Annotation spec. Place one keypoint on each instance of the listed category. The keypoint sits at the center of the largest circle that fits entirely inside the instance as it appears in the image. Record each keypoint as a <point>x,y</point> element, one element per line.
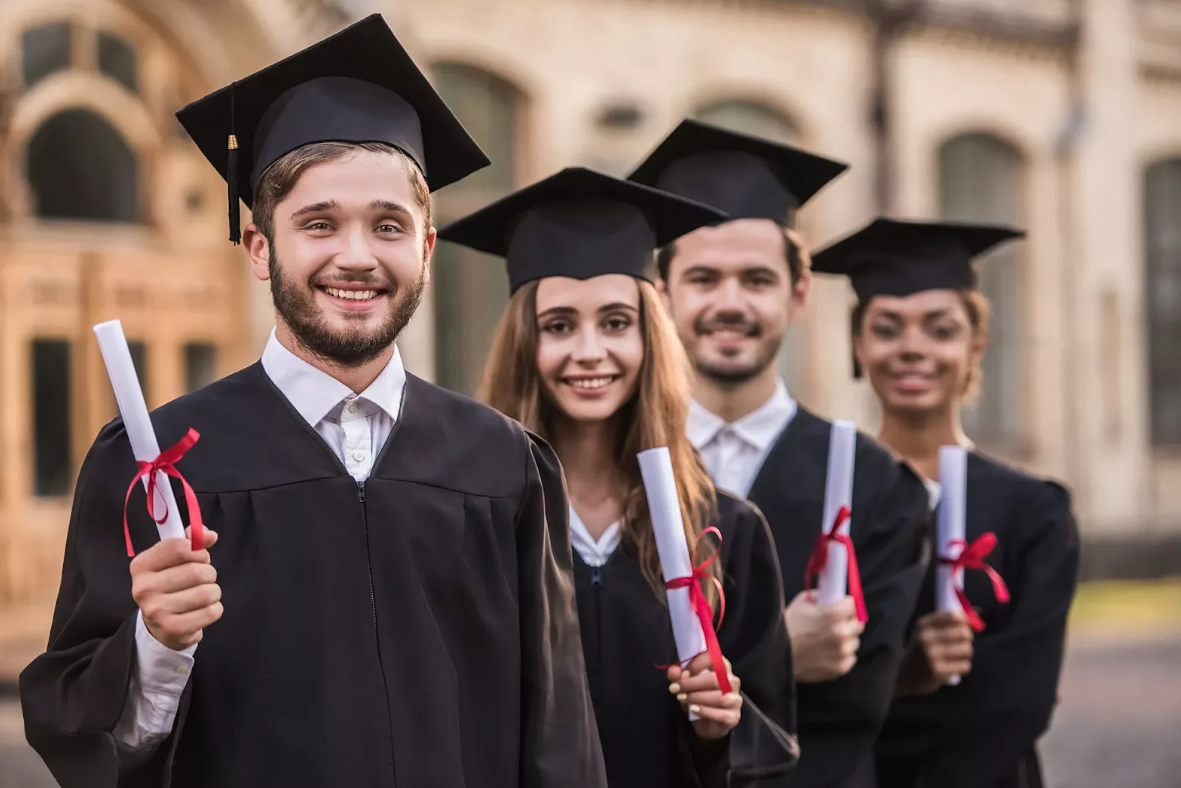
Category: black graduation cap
<point>897,258</point>
<point>747,177</point>
<point>358,85</point>
<point>581,224</point>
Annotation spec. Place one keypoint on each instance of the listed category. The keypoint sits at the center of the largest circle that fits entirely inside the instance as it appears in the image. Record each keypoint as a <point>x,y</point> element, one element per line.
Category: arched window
<point>79,168</point>
<point>117,60</point>
<point>980,180</point>
<point>45,50</point>
<point>471,289</point>
<point>750,117</point>
<point>1162,271</point>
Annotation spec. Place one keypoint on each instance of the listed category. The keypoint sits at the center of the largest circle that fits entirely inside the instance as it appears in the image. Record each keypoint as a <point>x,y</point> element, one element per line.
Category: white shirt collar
<point>759,428</point>
<point>314,393</point>
<point>594,552</point>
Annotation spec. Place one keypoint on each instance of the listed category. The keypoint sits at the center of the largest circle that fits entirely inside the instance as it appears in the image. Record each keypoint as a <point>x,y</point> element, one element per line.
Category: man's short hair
<point>280,178</point>
<point>795,255</point>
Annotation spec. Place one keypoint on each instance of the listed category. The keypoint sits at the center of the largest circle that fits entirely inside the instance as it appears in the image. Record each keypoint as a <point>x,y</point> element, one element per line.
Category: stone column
<point>1107,346</point>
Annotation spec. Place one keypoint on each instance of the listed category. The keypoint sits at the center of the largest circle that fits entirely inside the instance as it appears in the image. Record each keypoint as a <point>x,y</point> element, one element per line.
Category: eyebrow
<point>324,206</point>
<point>890,314</point>
<point>569,310</point>
<point>388,206</point>
<point>748,268</point>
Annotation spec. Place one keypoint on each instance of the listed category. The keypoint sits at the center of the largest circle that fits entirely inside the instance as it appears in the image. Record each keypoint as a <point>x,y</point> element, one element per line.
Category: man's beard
<point>296,304</point>
<point>730,376</point>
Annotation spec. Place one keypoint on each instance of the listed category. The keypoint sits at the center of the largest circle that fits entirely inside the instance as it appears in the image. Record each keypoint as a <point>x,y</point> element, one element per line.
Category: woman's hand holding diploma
<point>696,687</point>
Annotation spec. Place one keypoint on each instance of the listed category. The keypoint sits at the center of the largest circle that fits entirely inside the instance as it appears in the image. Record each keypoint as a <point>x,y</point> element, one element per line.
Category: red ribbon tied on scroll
<point>166,464</point>
<point>818,560</point>
<point>972,556</point>
<point>705,613</point>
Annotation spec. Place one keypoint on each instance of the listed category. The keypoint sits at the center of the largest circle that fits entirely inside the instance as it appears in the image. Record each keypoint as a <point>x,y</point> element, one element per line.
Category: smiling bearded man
<point>392,602</point>
<point>733,291</point>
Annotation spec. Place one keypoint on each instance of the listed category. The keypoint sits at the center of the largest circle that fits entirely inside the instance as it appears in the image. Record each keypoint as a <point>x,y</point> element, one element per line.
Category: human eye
<point>945,332</point>
<point>617,323</point>
<point>556,327</point>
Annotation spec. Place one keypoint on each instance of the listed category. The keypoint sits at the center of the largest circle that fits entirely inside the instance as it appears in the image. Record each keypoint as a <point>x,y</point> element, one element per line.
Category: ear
<point>858,367</point>
<point>259,250</point>
<point>662,289</point>
<point>801,291</point>
<point>978,347</point>
<point>428,253</point>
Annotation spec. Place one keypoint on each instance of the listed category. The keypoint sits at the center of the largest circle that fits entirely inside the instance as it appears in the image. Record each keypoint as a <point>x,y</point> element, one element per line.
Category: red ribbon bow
<point>705,613</point>
<point>166,463</point>
<point>972,557</point>
<point>818,560</point>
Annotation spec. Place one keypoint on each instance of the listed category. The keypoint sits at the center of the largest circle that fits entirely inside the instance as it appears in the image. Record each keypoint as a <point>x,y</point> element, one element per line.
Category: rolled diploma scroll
<point>953,469</point>
<point>130,397</point>
<point>838,492</point>
<point>668,527</point>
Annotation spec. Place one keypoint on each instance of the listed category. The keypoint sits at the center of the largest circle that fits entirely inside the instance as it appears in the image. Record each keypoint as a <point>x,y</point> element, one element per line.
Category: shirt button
<point>359,456</point>
<point>353,406</point>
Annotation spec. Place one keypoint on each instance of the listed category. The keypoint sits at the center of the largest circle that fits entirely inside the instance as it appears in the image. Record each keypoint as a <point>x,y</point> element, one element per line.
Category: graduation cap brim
<point>803,174</point>
<point>580,224</point>
<point>490,229</point>
<point>366,51</point>
<point>901,258</point>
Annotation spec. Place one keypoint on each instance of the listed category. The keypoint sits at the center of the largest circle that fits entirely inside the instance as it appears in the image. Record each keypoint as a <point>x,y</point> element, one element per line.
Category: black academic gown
<point>839,720</point>
<point>981,733</point>
<point>419,629</point>
<point>648,741</point>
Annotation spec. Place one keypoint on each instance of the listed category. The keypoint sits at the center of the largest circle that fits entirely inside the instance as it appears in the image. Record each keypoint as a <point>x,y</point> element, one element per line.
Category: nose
<point>730,296</point>
<point>912,347</point>
<point>357,254</point>
<point>588,348</point>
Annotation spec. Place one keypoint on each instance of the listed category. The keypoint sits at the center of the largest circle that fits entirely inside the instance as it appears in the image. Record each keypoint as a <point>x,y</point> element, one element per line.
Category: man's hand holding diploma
<point>176,589</point>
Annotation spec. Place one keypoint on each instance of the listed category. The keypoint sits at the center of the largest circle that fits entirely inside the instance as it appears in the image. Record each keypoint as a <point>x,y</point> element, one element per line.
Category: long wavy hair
<point>654,416</point>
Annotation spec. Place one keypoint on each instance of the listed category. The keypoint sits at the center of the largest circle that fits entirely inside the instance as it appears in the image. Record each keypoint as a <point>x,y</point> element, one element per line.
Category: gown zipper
<point>373,607</point>
<point>597,588</point>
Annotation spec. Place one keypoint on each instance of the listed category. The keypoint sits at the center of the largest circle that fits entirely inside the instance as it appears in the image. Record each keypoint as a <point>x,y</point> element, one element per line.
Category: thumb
<point>210,536</point>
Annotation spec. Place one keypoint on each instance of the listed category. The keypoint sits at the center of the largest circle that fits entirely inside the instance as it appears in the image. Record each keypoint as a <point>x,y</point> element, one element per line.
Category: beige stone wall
<point>1083,391</point>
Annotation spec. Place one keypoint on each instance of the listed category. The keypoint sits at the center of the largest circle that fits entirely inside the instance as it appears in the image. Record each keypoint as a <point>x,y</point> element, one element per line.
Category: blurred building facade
<point>1063,117</point>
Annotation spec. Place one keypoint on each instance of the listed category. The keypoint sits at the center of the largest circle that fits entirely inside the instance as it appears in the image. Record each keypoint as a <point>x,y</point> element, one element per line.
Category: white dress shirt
<point>594,552</point>
<point>355,426</point>
<point>734,451</point>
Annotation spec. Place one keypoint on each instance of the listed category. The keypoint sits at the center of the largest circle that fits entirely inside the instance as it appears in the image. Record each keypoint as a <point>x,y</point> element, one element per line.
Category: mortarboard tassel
<point>232,178</point>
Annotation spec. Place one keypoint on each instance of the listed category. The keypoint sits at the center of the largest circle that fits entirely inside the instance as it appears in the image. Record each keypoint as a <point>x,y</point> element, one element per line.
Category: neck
<point>916,437</point>
<point>357,378</point>
<point>587,453</point>
<point>732,401</point>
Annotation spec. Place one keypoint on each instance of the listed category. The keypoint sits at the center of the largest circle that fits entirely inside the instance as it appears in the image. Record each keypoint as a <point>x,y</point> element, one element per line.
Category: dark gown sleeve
<point>754,638</point>
<point>842,718</point>
<point>72,696</point>
<point>559,738</point>
<point>1013,685</point>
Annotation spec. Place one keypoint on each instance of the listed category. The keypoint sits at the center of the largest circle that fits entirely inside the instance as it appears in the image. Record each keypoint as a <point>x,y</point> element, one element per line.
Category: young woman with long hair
<point>586,358</point>
<point>920,330</point>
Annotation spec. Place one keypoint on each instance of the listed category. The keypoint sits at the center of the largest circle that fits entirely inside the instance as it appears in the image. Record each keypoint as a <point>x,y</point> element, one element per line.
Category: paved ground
<point>1118,726</point>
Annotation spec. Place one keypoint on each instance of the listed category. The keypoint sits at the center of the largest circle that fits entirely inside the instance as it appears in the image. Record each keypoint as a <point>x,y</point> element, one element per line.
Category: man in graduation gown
<point>733,290</point>
<point>390,598</point>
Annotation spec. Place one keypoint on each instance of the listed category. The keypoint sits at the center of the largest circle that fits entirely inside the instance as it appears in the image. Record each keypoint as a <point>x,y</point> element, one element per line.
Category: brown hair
<point>655,416</point>
<point>979,311</point>
<point>277,180</point>
<point>798,260</point>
